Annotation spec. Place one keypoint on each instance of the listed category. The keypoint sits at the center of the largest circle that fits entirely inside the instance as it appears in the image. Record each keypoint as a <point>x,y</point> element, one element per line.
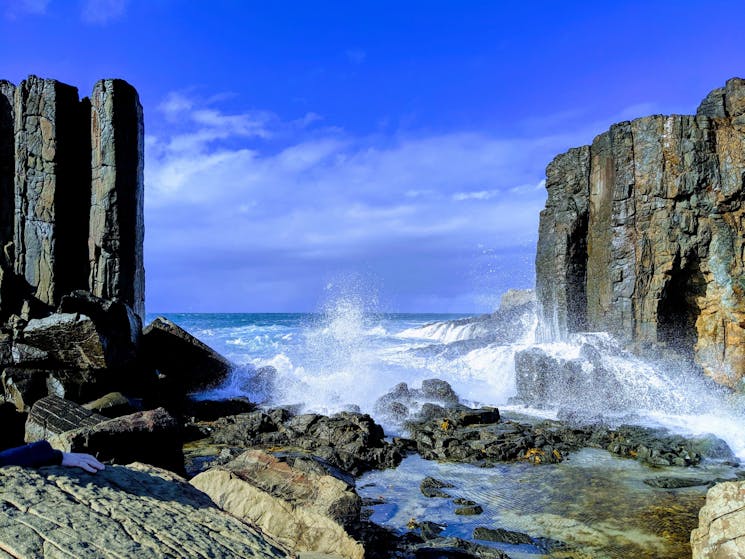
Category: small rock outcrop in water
<point>71,185</point>
<point>643,236</point>
<point>721,527</point>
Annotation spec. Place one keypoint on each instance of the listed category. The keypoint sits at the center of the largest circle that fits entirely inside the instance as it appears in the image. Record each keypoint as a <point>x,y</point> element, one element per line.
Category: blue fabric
<point>35,454</point>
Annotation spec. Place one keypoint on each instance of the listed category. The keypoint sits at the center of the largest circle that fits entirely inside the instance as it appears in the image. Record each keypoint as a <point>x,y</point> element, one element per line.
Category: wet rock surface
<point>350,441</point>
<point>136,511</point>
<point>479,437</point>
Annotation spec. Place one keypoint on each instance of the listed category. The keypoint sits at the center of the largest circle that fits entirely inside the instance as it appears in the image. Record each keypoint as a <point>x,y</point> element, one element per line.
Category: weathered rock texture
<point>136,511</point>
<point>72,194</point>
<point>721,529</point>
<point>643,236</point>
<point>303,510</point>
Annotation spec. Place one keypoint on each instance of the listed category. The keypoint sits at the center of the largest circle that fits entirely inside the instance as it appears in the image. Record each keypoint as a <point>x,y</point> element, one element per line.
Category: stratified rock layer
<point>303,510</point>
<point>643,235</point>
<point>721,529</point>
<point>136,512</point>
<point>72,191</point>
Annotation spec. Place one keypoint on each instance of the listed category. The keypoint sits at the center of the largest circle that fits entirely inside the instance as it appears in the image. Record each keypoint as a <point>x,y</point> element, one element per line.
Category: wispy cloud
<point>250,195</point>
<point>16,8</point>
<point>101,12</point>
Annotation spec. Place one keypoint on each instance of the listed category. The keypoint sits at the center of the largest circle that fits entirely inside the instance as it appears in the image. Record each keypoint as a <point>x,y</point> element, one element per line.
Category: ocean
<point>345,358</point>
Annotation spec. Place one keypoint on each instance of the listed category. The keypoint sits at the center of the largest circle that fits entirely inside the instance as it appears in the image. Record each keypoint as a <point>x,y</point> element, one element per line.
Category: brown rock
<point>113,404</point>
<point>153,437</point>
<point>643,235</point>
<point>721,527</point>
<point>303,510</point>
<point>187,364</point>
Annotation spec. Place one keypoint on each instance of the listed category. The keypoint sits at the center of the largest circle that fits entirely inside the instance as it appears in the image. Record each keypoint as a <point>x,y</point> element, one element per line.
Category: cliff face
<point>643,236</point>
<point>71,185</point>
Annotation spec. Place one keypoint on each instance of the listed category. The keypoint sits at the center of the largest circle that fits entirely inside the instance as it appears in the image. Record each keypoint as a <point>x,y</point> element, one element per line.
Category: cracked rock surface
<point>136,511</point>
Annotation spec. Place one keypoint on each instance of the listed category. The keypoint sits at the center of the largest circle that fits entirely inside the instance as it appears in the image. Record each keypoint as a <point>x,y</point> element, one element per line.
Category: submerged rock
<point>502,536</point>
<point>675,482</point>
<point>136,511</point>
<point>431,487</point>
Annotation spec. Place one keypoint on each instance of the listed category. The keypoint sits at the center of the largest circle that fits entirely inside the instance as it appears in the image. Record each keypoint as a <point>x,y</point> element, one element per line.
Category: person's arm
<point>35,455</point>
<point>41,453</point>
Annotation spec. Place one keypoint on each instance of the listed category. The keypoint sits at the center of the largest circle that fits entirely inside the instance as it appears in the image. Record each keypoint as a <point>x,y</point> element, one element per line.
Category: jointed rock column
<point>71,195</point>
<point>116,218</point>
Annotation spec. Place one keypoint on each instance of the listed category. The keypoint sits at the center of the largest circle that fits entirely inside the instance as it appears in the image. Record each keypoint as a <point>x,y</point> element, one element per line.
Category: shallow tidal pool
<point>593,505</point>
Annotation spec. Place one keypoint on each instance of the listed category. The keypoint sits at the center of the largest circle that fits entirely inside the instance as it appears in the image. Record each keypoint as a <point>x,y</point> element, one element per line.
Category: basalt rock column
<point>7,162</point>
<point>116,217</point>
<point>51,187</point>
<point>643,235</point>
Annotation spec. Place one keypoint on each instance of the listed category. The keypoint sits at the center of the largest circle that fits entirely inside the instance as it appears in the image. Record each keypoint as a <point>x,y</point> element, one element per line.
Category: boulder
<point>70,340</point>
<point>116,322</point>
<point>305,511</point>
<point>153,437</point>
<point>721,525</point>
<point>113,404</point>
<point>350,441</point>
<point>52,415</point>
<point>187,364</point>
<point>138,512</point>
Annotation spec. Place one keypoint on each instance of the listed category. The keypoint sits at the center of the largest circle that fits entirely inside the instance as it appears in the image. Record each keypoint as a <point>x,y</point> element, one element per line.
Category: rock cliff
<point>71,185</point>
<point>643,236</point>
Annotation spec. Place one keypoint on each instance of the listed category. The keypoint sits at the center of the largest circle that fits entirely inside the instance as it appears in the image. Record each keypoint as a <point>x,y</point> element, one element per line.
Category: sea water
<point>345,358</point>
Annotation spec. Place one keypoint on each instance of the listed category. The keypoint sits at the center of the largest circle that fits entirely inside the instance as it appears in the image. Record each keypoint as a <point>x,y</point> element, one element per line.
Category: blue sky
<point>297,151</point>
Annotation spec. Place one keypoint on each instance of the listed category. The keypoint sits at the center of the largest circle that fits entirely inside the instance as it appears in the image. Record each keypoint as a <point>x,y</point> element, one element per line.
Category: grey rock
<point>642,236</point>
<point>152,437</point>
<point>187,364</point>
<point>116,230</point>
<point>71,185</point>
<point>52,415</point>
<point>138,511</point>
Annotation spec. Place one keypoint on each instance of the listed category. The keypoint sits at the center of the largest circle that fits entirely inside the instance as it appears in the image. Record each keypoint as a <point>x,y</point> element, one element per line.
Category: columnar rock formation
<point>643,236</point>
<point>71,187</point>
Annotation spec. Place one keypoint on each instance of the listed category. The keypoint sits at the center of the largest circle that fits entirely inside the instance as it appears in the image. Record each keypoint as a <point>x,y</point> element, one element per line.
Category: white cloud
<point>356,56</point>
<point>227,190</point>
<point>16,8</point>
<point>101,12</point>
<point>478,195</point>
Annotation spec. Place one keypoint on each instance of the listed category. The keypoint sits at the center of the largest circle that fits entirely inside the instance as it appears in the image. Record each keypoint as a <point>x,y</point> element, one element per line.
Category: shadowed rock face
<point>643,236</point>
<point>72,194</point>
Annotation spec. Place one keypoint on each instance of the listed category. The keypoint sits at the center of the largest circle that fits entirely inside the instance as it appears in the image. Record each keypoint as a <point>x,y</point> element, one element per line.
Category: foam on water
<point>348,356</point>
